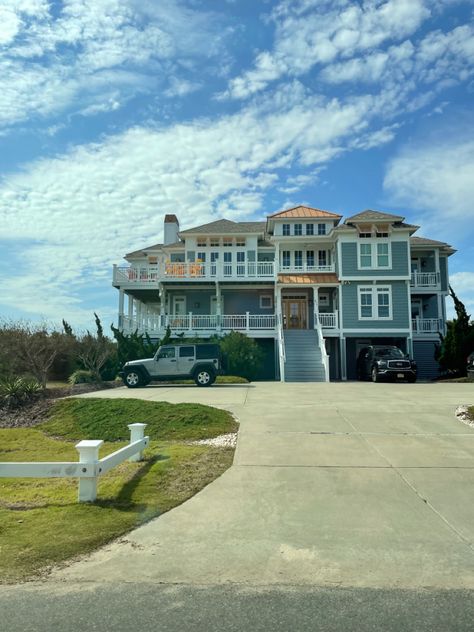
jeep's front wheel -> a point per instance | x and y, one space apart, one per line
133 379
204 378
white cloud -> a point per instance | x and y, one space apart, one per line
85 209
90 50
312 33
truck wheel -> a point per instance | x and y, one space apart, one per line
204 377
375 374
133 379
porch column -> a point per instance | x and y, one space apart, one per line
121 306
315 306
139 315
437 269
162 305
130 308
277 259
218 307
342 344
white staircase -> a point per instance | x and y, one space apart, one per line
304 361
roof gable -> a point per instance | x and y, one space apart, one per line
225 226
374 216
304 212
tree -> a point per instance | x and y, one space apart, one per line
93 353
243 355
459 340
136 346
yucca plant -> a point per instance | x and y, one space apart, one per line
16 391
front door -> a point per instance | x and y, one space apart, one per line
295 310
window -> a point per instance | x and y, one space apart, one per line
298 258
365 235
310 258
240 263
286 258
321 229
186 352
227 263
201 243
227 242
167 352
375 303
322 258
266 301
310 229
286 229
214 257
298 229
240 241
227 257
214 242
365 255
382 256
381 235
201 257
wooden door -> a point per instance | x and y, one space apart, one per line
295 313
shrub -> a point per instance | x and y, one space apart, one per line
244 357
17 391
82 376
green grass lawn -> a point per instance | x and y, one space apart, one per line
41 523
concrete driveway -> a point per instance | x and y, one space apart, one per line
341 484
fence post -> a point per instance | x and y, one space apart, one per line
247 321
88 453
137 432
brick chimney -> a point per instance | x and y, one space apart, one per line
171 229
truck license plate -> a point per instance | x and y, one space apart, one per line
400 375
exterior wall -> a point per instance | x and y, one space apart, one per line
350 308
427 259
350 263
423 354
443 268
193 298
241 301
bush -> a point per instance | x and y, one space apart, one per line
82 376
244 357
17 391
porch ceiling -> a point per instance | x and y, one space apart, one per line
308 279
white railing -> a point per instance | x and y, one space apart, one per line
427 325
321 343
199 322
425 279
147 275
219 270
281 346
306 268
89 467
328 320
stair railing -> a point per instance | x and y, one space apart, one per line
321 342
281 346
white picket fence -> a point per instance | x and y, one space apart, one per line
89 467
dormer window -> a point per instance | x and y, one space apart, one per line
298 229
321 229
365 235
214 242
380 235
286 229
227 242
240 242
201 243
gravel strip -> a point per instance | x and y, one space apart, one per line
222 441
462 413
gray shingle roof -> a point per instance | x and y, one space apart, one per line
224 227
369 215
142 251
424 241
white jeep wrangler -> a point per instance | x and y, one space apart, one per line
200 362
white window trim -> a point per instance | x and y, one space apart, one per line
374 290
266 296
373 243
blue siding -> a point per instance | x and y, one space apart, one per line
443 268
241 301
350 307
399 261
423 354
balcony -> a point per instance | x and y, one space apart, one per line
201 324
150 276
328 320
295 269
426 326
425 280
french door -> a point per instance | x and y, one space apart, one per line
295 312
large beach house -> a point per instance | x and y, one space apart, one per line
312 290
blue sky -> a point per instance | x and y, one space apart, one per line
115 112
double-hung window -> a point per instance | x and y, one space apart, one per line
227 263
240 263
375 303
298 229
365 255
310 229
322 258
286 259
286 229
310 258
382 255
298 258
321 229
